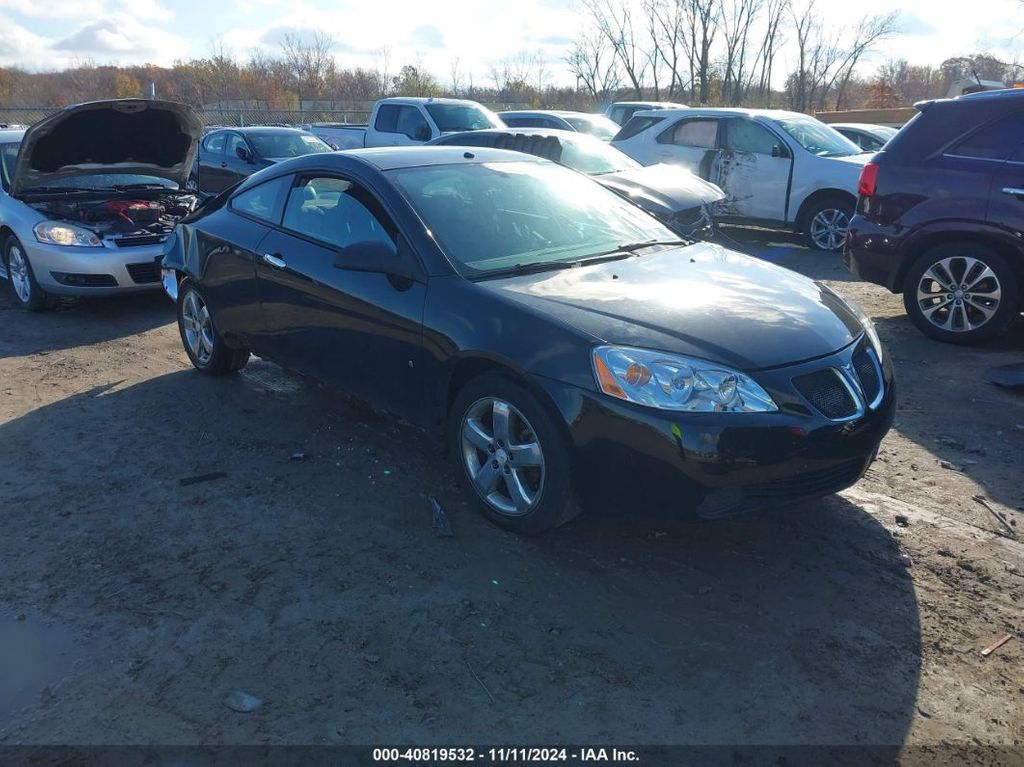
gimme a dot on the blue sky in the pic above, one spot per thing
(46, 34)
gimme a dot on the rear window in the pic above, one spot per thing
(995, 141)
(636, 125)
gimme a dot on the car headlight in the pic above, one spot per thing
(673, 382)
(53, 233)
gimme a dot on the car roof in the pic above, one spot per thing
(1001, 93)
(562, 135)
(428, 100)
(646, 103)
(725, 111)
(859, 126)
(391, 158)
(11, 135)
(551, 112)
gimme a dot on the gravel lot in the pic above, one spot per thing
(135, 598)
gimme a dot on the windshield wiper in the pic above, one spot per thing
(552, 266)
(633, 247)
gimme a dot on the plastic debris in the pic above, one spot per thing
(242, 702)
(442, 526)
(996, 645)
(371, 658)
(902, 520)
(299, 456)
(1006, 375)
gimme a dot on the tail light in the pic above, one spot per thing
(868, 180)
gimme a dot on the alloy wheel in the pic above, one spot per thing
(502, 456)
(197, 327)
(828, 228)
(17, 268)
(958, 294)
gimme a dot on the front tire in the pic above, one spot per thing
(961, 293)
(512, 458)
(205, 347)
(22, 279)
(826, 224)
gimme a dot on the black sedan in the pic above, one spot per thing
(227, 155)
(552, 333)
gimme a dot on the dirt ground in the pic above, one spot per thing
(134, 597)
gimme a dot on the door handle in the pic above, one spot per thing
(223, 165)
(1014, 190)
(275, 261)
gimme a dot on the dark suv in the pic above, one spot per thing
(940, 216)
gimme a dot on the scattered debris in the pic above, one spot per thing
(387, 472)
(950, 466)
(371, 658)
(184, 481)
(996, 645)
(704, 590)
(950, 441)
(299, 456)
(926, 713)
(480, 682)
(1006, 375)
(660, 533)
(1009, 528)
(242, 702)
(442, 526)
(902, 520)
(494, 581)
(20, 617)
(906, 561)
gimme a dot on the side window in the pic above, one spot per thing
(215, 142)
(702, 134)
(412, 123)
(235, 142)
(636, 125)
(264, 201)
(995, 141)
(748, 136)
(336, 212)
(387, 116)
(618, 114)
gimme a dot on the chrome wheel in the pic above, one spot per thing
(197, 327)
(17, 269)
(828, 228)
(958, 294)
(502, 456)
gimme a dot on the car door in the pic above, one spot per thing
(753, 169)
(355, 328)
(1000, 146)
(211, 162)
(237, 166)
(691, 142)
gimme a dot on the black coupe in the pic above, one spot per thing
(551, 332)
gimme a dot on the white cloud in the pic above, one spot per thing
(18, 43)
(121, 38)
(56, 9)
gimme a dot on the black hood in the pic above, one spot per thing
(131, 136)
(663, 188)
(701, 300)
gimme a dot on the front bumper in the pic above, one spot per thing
(874, 253)
(105, 270)
(723, 463)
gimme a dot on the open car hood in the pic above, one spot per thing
(131, 136)
(663, 186)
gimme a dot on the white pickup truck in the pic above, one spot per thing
(402, 121)
(779, 170)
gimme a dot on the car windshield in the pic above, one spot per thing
(592, 156)
(885, 132)
(460, 117)
(8, 156)
(287, 144)
(818, 138)
(595, 125)
(492, 217)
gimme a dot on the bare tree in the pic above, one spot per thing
(595, 65)
(666, 25)
(614, 20)
(311, 62)
(456, 72)
(382, 69)
(737, 18)
(702, 21)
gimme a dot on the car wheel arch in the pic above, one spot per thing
(927, 241)
(817, 196)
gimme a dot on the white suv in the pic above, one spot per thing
(780, 170)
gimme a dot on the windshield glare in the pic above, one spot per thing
(595, 125)
(494, 216)
(592, 156)
(462, 117)
(287, 144)
(818, 138)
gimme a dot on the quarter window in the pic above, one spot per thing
(337, 212)
(995, 141)
(214, 142)
(263, 201)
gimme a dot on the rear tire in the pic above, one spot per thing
(204, 346)
(826, 223)
(24, 288)
(961, 293)
(513, 459)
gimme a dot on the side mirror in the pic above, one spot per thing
(243, 153)
(422, 133)
(374, 256)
